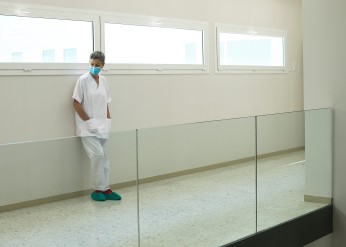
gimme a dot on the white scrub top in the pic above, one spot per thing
(94, 100)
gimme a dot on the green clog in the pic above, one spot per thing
(113, 196)
(98, 196)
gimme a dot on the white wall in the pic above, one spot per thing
(279, 132)
(39, 107)
(325, 86)
(176, 148)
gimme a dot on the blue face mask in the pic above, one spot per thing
(95, 70)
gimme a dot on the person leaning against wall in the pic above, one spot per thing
(93, 122)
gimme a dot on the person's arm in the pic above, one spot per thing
(108, 113)
(80, 111)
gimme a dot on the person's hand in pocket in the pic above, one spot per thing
(91, 125)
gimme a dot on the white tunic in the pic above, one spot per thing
(94, 100)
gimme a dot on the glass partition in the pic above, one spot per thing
(280, 164)
(284, 142)
(318, 156)
(45, 191)
(197, 183)
(201, 184)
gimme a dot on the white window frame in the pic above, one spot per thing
(226, 28)
(112, 68)
(26, 10)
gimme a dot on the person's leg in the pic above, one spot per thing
(109, 194)
(105, 162)
(94, 149)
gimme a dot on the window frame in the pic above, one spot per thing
(24, 10)
(151, 21)
(227, 28)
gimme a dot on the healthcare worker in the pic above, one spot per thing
(93, 122)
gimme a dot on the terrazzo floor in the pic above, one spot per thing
(207, 209)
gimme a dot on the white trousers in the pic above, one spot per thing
(96, 149)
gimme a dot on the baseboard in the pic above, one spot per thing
(71, 195)
(218, 165)
(56, 198)
(318, 199)
(194, 170)
(286, 151)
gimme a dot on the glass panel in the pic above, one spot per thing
(129, 44)
(197, 183)
(251, 50)
(281, 168)
(318, 156)
(55, 174)
(40, 40)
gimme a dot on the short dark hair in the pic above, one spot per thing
(98, 55)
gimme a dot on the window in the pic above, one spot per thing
(42, 40)
(45, 40)
(250, 50)
(152, 45)
(33, 36)
(141, 45)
